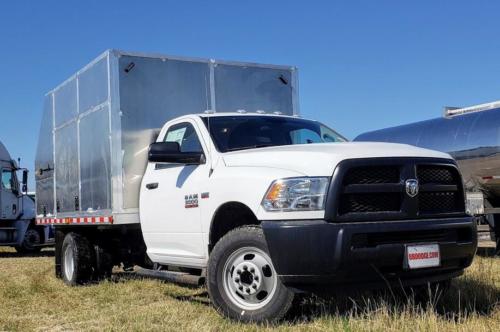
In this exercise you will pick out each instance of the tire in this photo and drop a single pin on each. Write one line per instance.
(103, 267)
(497, 238)
(242, 282)
(76, 260)
(31, 242)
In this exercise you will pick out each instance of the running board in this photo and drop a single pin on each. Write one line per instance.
(174, 277)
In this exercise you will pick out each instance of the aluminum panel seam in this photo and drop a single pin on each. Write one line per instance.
(116, 146)
(78, 144)
(54, 207)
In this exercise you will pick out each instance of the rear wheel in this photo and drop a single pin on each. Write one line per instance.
(31, 242)
(242, 281)
(76, 260)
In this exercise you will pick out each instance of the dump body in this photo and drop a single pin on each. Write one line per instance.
(98, 125)
(473, 139)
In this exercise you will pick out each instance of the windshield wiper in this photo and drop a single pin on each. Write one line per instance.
(250, 147)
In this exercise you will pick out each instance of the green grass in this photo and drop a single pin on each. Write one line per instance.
(31, 298)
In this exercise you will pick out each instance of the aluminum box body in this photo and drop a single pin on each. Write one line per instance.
(97, 126)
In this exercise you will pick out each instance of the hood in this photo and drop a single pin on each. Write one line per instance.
(321, 159)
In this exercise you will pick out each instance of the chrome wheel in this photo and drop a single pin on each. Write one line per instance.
(249, 278)
(69, 263)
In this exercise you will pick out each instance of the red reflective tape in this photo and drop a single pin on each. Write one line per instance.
(75, 220)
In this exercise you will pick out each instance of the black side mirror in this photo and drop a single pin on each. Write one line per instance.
(25, 181)
(169, 152)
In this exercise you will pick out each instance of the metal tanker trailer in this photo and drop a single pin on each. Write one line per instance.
(472, 136)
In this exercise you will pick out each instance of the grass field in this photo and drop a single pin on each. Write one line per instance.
(31, 298)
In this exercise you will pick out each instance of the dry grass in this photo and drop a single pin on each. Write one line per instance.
(31, 298)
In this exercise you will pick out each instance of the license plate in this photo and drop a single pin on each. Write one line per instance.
(422, 255)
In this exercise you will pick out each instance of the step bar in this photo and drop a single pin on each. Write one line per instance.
(181, 278)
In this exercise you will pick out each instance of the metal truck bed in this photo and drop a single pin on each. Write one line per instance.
(98, 124)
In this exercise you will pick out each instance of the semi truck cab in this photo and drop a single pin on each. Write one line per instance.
(17, 209)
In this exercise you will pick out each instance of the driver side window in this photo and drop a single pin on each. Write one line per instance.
(7, 179)
(184, 134)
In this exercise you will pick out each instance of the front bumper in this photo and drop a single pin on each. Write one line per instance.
(311, 253)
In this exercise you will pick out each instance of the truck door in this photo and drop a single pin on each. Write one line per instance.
(8, 193)
(169, 203)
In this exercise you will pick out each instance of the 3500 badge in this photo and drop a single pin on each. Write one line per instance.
(191, 201)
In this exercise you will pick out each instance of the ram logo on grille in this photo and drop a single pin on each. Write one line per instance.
(411, 186)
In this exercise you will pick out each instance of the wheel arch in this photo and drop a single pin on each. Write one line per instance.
(227, 217)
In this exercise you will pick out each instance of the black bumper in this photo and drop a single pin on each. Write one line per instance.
(311, 253)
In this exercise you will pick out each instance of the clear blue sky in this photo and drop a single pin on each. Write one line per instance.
(363, 64)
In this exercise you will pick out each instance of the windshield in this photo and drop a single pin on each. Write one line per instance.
(231, 133)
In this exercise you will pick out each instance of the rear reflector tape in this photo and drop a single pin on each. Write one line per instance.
(74, 221)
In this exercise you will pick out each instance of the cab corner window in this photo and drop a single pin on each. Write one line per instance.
(185, 135)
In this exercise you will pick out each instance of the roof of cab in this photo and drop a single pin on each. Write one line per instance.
(4, 154)
(217, 114)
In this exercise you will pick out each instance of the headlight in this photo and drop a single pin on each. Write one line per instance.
(297, 194)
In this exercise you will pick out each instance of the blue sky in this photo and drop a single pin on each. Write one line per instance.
(363, 64)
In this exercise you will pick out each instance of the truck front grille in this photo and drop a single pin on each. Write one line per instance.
(435, 174)
(375, 189)
(358, 203)
(370, 175)
(438, 202)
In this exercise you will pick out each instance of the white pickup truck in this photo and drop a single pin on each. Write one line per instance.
(258, 206)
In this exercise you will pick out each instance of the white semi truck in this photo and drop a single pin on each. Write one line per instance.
(18, 228)
(259, 204)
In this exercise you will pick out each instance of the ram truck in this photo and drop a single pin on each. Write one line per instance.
(258, 206)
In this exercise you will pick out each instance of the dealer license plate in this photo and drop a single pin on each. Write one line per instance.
(422, 255)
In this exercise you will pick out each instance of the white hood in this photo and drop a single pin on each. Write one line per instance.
(321, 159)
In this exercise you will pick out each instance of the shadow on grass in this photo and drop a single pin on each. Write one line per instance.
(43, 253)
(466, 296)
(486, 252)
(200, 297)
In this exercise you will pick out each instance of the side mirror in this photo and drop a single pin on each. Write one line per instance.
(25, 181)
(169, 152)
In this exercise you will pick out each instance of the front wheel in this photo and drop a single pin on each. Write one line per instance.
(242, 282)
(31, 242)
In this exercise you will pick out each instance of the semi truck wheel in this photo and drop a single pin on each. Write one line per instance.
(242, 282)
(76, 260)
(31, 242)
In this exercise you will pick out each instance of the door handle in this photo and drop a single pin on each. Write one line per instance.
(153, 185)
